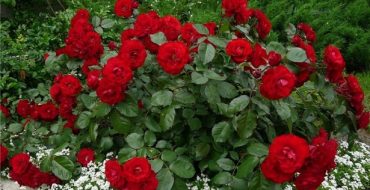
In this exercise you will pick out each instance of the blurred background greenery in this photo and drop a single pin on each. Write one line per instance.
(29, 28)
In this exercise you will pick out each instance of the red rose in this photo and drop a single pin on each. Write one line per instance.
(85, 156)
(237, 9)
(87, 63)
(81, 14)
(305, 71)
(363, 121)
(65, 107)
(310, 52)
(71, 124)
(171, 27)
(70, 85)
(137, 170)
(55, 92)
(128, 34)
(309, 181)
(48, 111)
(24, 108)
(150, 184)
(4, 110)
(113, 173)
(93, 79)
(277, 83)
(333, 58)
(109, 92)
(287, 154)
(133, 52)
(212, 27)
(35, 114)
(264, 25)
(20, 163)
(189, 34)
(112, 45)
(239, 50)
(274, 58)
(297, 41)
(172, 57)
(335, 75)
(243, 16)
(117, 70)
(259, 56)
(124, 8)
(3, 154)
(46, 55)
(146, 24)
(308, 31)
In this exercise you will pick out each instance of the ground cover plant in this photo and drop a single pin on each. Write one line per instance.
(167, 101)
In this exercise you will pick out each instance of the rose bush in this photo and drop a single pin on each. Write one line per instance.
(172, 101)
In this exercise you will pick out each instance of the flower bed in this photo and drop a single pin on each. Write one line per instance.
(174, 101)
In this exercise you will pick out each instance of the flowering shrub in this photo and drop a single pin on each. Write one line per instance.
(173, 101)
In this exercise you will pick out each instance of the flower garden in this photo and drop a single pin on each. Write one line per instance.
(145, 101)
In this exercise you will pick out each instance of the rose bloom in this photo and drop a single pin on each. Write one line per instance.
(93, 79)
(308, 31)
(146, 24)
(4, 110)
(20, 163)
(109, 92)
(128, 34)
(24, 108)
(117, 70)
(239, 50)
(243, 16)
(81, 14)
(259, 56)
(48, 111)
(87, 63)
(171, 27)
(70, 85)
(55, 92)
(150, 184)
(149, 45)
(85, 156)
(232, 7)
(189, 34)
(274, 58)
(305, 71)
(277, 83)
(112, 45)
(133, 52)
(333, 58)
(137, 170)
(287, 154)
(3, 154)
(310, 52)
(212, 27)
(113, 173)
(65, 107)
(297, 41)
(363, 121)
(124, 8)
(172, 57)
(264, 25)
(309, 181)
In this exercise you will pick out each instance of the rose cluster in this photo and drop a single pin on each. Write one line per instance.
(134, 174)
(31, 110)
(27, 174)
(290, 155)
(348, 86)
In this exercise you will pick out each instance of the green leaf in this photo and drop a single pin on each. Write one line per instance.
(93, 131)
(101, 109)
(158, 38)
(150, 138)
(135, 140)
(246, 123)
(96, 21)
(62, 167)
(99, 30)
(156, 164)
(239, 104)
(226, 90)
(45, 164)
(194, 123)
(201, 150)
(221, 132)
(201, 29)
(168, 155)
(296, 54)
(282, 108)
(162, 98)
(197, 78)
(128, 109)
(226, 164)
(211, 93)
(277, 47)
(258, 149)
(184, 97)
(88, 101)
(222, 178)
(125, 154)
(15, 128)
(213, 75)
(247, 166)
(119, 123)
(207, 52)
(166, 179)
(167, 118)
(106, 143)
(217, 41)
(182, 168)
(107, 23)
(152, 125)
(83, 120)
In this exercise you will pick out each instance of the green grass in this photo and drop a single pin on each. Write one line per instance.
(364, 79)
